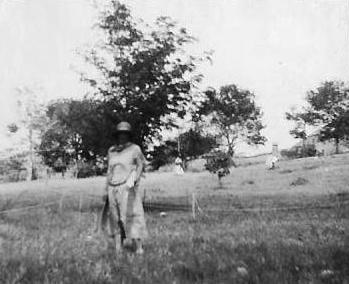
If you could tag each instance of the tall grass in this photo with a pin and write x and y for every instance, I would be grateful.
(53, 246)
(306, 244)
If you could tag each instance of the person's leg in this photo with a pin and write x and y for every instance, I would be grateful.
(139, 246)
(114, 215)
(138, 231)
(122, 207)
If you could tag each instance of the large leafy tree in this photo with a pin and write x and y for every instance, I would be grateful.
(163, 154)
(327, 107)
(78, 131)
(143, 73)
(235, 116)
(189, 145)
(193, 144)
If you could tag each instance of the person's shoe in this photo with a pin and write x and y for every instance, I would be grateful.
(118, 246)
(140, 251)
(129, 245)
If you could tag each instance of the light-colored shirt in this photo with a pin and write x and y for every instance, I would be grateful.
(178, 161)
(122, 165)
(271, 160)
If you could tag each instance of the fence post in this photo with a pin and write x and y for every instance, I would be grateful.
(80, 206)
(188, 198)
(193, 202)
(145, 194)
(61, 203)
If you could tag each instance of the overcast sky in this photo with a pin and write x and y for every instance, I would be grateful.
(277, 49)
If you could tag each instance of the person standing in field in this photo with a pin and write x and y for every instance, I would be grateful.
(122, 194)
(271, 162)
(178, 166)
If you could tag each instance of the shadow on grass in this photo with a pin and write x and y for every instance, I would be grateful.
(286, 171)
(312, 167)
(248, 182)
(299, 181)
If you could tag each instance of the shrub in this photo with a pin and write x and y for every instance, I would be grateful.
(86, 170)
(286, 171)
(298, 152)
(163, 154)
(218, 162)
(247, 182)
(11, 168)
(299, 181)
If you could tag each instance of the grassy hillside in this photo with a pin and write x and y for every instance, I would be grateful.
(285, 226)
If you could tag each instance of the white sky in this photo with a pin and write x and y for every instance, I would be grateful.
(278, 49)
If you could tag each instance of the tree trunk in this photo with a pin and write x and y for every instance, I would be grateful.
(31, 155)
(304, 154)
(337, 145)
(231, 151)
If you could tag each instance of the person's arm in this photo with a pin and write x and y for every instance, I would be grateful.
(105, 192)
(140, 160)
(233, 163)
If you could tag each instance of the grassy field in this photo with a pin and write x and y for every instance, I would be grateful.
(290, 225)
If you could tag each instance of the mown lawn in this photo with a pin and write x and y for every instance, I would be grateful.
(295, 234)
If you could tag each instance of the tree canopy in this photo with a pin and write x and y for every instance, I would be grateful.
(194, 143)
(78, 131)
(188, 145)
(235, 114)
(327, 107)
(144, 75)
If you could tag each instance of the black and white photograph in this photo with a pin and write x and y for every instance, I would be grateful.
(174, 141)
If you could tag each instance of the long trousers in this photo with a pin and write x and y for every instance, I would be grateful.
(126, 212)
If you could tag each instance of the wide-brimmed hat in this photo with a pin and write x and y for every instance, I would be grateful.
(123, 126)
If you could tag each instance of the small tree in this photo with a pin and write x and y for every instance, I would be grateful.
(219, 162)
(193, 144)
(32, 122)
(328, 108)
(10, 168)
(300, 130)
(235, 115)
